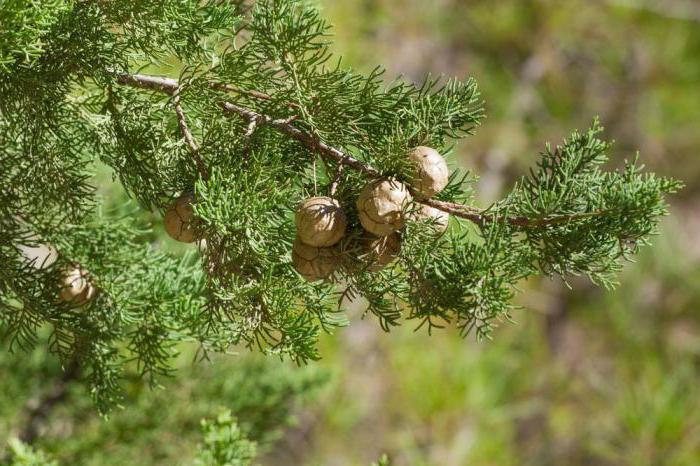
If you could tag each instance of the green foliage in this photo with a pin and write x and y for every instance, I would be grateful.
(163, 425)
(24, 455)
(527, 398)
(619, 209)
(144, 300)
(224, 443)
(77, 103)
(383, 461)
(23, 25)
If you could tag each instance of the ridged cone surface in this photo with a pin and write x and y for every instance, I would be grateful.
(179, 220)
(438, 219)
(381, 250)
(314, 263)
(381, 206)
(431, 172)
(320, 222)
(76, 289)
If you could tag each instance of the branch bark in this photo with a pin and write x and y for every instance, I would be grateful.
(187, 135)
(285, 126)
(336, 179)
(471, 213)
(171, 87)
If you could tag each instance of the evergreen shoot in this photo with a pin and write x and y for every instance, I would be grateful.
(227, 118)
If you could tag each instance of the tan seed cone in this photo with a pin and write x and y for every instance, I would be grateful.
(381, 250)
(76, 289)
(179, 220)
(431, 173)
(381, 206)
(313, 263)
(89, 293)
(438, 219)
(320, 222)
(41, 256)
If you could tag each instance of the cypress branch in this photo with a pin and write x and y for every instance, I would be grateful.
(474, 214)
(69, 102)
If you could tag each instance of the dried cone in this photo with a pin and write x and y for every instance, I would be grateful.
(179, 221)
(431, 173)
(437, 219)
(320, 222)
(381, 250)
(40, 256)
(313, 263)
(381, 206)
(76, 289)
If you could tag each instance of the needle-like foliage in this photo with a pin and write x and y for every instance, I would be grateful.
(247, 109)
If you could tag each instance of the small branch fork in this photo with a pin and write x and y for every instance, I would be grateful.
(187, 135)
(284, 125)
(173, 88)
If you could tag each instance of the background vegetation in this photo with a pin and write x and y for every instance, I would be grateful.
(584, 377)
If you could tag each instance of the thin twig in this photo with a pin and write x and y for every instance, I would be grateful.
(460, 210)
(189, 139)
(154, 83)
(308, 140)
(285, 126)
(170, 85)
(187, 135)
(336, 179)
(252, 125)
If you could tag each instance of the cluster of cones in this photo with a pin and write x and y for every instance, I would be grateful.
(383, 207)
(75, 287)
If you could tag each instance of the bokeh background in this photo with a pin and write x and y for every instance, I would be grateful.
(584, 377)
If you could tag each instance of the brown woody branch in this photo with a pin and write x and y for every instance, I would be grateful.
(187, 135)
(285, 126)
(460, 210)
(170, 85)
(336, 179)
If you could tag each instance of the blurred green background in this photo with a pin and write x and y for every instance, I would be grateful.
(585, 376)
